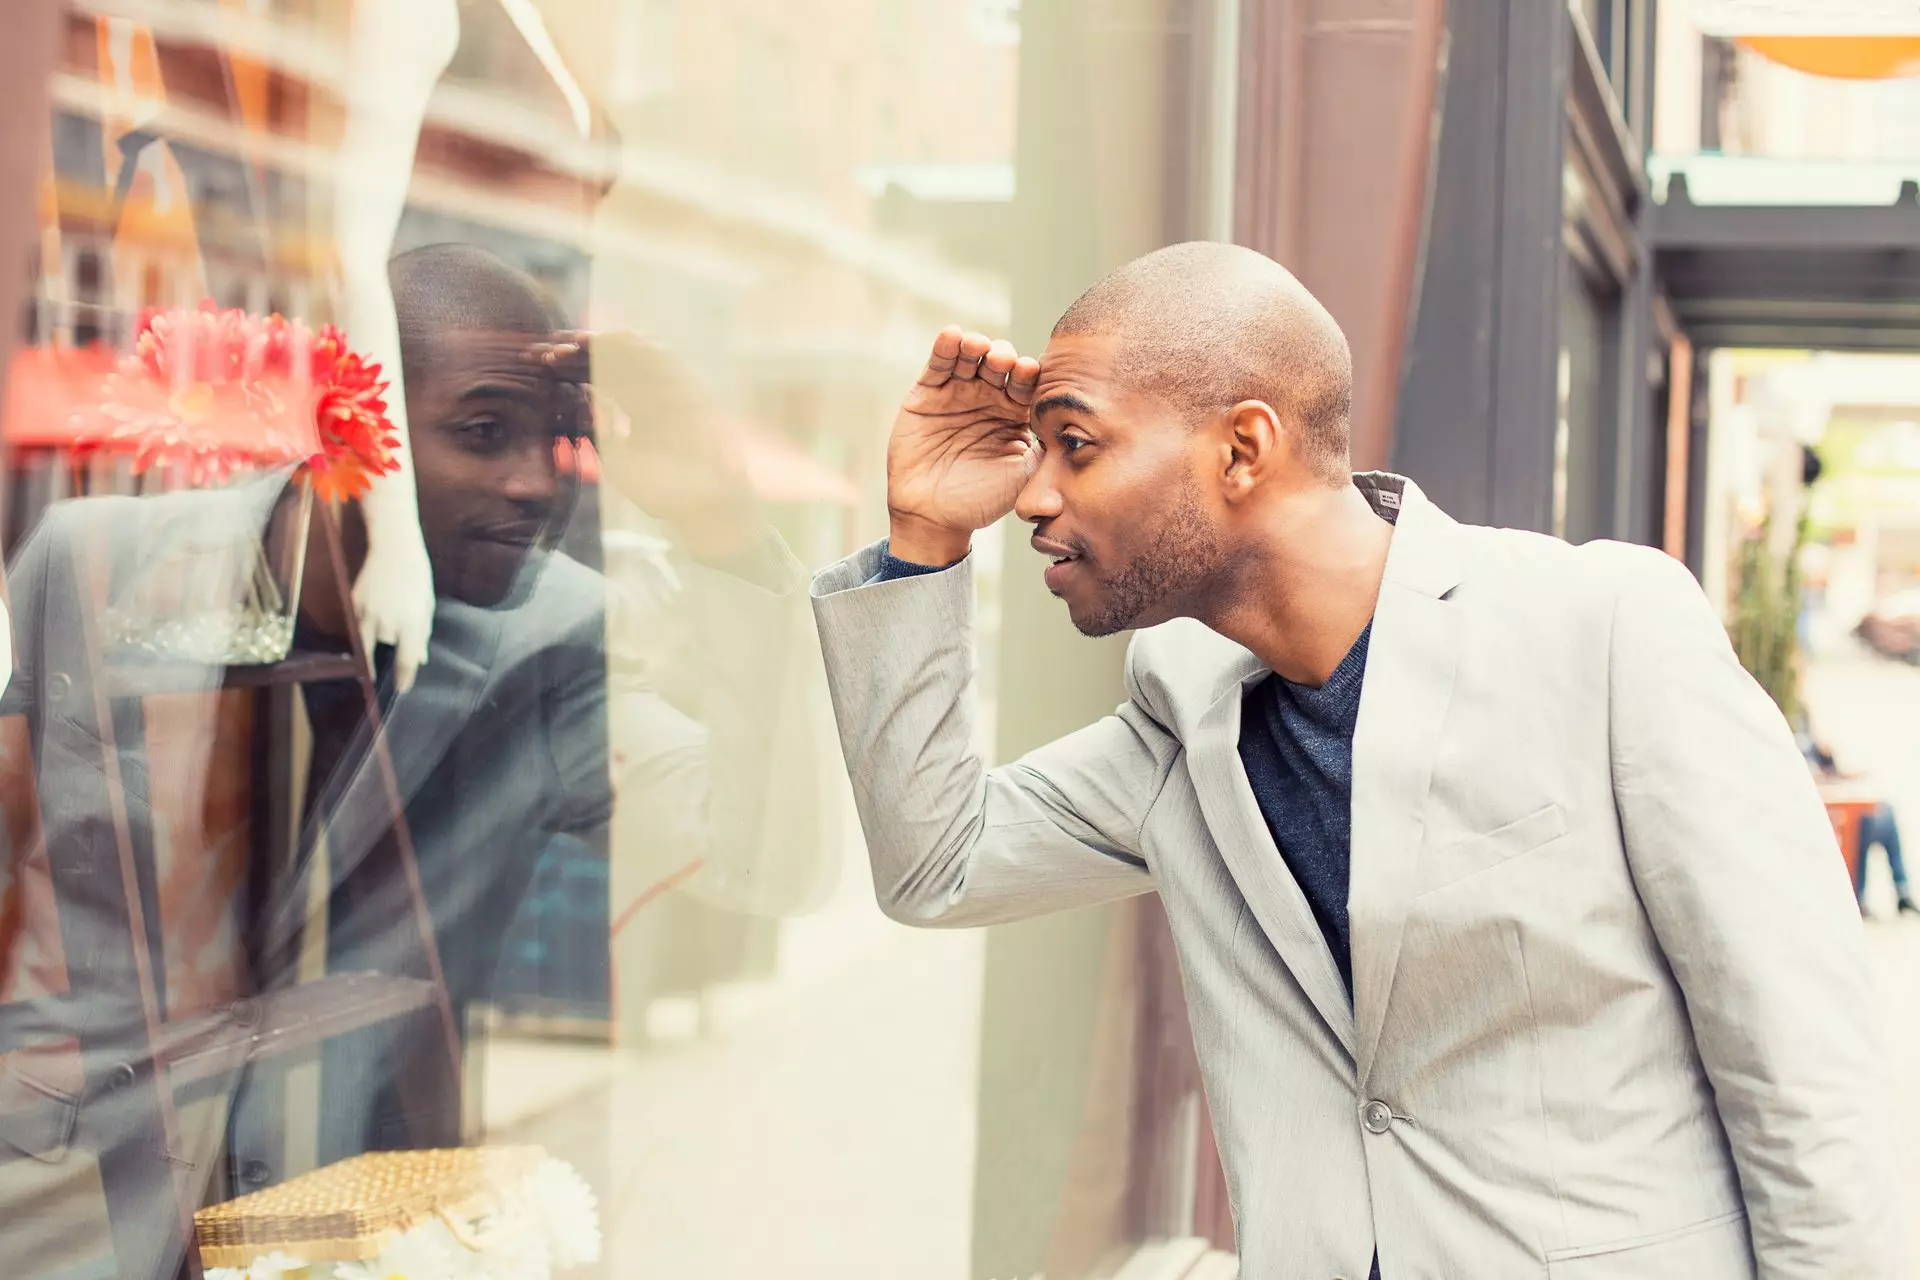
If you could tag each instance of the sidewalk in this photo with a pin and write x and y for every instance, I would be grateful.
(829, 1137)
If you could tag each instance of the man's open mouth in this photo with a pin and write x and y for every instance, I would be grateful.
(1058, 552)
(1062, 559)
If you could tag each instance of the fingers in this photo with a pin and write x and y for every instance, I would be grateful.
(409, 655)
(369, 637)
(973, 351)
(959, 355)
(999, 362)
(1024, 380)
(946, 352)
(408, 638)
(565, 356)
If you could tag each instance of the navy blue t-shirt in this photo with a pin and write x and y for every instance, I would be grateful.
(1296, 743)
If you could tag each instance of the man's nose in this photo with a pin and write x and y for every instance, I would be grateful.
(1039, 497)
(533, 476)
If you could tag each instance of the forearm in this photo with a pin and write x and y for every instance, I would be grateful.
(952, 842)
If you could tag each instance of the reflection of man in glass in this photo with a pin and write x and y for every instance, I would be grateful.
(492, 385)
(500, 746)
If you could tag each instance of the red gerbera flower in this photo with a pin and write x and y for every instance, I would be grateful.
(217, 392)
(357, 440)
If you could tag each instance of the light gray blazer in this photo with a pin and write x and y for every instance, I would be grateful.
(1611, 1013)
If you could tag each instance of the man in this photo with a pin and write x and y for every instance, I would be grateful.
(1878, 828)
(500, 747)
(1510, 924)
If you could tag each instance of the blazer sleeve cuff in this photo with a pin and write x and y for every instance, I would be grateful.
(849, 606)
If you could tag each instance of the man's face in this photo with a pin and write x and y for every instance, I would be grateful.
(483, 422)
(1119, 501)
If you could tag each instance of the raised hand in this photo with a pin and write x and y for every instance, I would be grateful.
(961, 446)
(658, 437)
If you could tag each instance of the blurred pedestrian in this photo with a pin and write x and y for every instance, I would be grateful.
(1877, 829)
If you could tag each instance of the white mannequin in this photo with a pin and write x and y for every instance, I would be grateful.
(397, 50)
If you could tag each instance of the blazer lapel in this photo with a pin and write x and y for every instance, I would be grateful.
(419, 727)
(1403, 707)
(1234, 820)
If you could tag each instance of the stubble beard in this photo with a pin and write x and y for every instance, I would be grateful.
(1183, 555)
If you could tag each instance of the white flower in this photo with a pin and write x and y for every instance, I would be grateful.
(428, 1252)
(560, 1201)
(515, 1249)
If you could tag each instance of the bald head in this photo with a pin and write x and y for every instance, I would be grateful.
(1206, 326)
(443, 290)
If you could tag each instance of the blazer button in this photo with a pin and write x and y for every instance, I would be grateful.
(1377, 1116)
(255, 1173)
(59, 687)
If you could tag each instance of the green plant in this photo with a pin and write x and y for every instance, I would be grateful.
(1766, 615)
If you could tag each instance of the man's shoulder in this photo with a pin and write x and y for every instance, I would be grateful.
(1515, 565)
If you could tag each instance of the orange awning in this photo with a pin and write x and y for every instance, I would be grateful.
(1841, 57)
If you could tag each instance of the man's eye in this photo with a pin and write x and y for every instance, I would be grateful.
(483, 430)
(1071, 445)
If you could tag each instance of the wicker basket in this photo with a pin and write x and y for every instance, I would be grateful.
(351, 1211)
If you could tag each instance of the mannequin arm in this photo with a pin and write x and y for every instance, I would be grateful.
(397, 51)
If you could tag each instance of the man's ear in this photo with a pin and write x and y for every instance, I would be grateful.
(1255, 446)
